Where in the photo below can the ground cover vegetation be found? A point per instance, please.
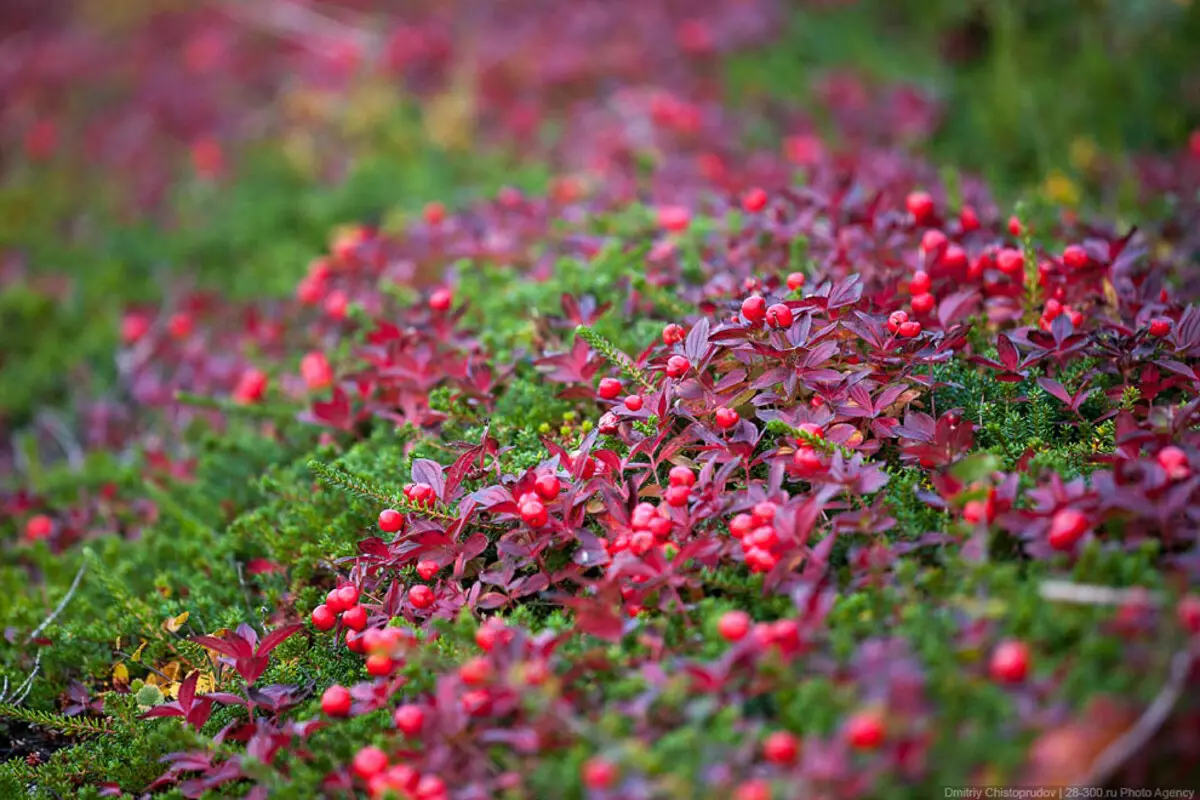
(710, 399)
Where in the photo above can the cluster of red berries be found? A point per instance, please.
(900, 325)
(651, 525)
(371, 765)
(532, 505)
(756, 531)
(756, 310)
(807, 461)
(342, 603)
(1054, 309)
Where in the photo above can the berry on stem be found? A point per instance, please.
(1067, 527)
(391, 520)
(610, 388)
(734, 625)
(1010, 662)
(421, 596)
(336, 700)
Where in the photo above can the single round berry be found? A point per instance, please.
(427, 569)
(955, 258)
(38, 527)
(726, 418)
(369, 762)
(672, 334)
(315, 370)
(923, 303)
(1010, 662)
(634, 402)
(754, 308)
(681, 476)
(380, 665)
(1174, 462)
(933, 241)
(968, 219)
(547, 487)
(678, 366)
(674, 218)
(920, 205)
(1014, 225)
(1010, 261)
(763, 537)
(763, 513)
(1052, 310)
(753, 789)
(1067, 527)
(779, 316)
(336, 700)
(734, 625)
(337, 304)
(864, 730)
(534, 514)
(976, 511)
(781, 747)
(434, 213)
(920, 282)
(391, 520)
(754, 200)
(910, 330)
(348, 595)
(421, 596)
(599, 773)
(134, 326)
(1160, 327)
(441, 300)
(431, 787)
(322, 618)
(251, 386)
(475, 671)
(355, 618)
(487, 635)
(409, 719)
(1074, 257)
(796, 280)
(1189, 613)
(807, 460)
(610, 388)
(677, 496)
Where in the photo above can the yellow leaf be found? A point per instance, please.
(206, 683)
(137, 654)
(173, 624)
(120, 674)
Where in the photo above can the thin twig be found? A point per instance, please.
(1124, 748)
(61, 603)
(1095, 594)
(23, 690)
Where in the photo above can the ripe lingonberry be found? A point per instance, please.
(763, 512)
(955, 258)
(487, 634)
(681, 476)
(932, 242)
(968, 219)
(1160, 327)
(634, 402)
(380, 665)
(864, 730)
(674, 218)
(336, 304)
(678, 366)
(726, 418)
(547, 486)
(977, 511)
(641, 542)
(38, 526)
(754, 308)
(1010, 661)
(763, 537)
(1174, 462)
(534, 514)
(795, 280)
(920, 282)
(409, 719)
(1189, 613)
(1010, 261)
(336, 701)
(610, 388)
(390, 520)
(895, 320)
(1014, 225)
(369, 762)
(733, 625)
(660, 527)
(431, 787)
(322, 618)
(441, 300)
(355, 618)
(180, 325)
(1052, 310)
(910, 329)
(807, 460)
(421, 596)
(356, 642)
(753, 789)
(781, 747)
(251, 386)
(920, 205)
(434, 213)
(1067, 526)
(598, 773)
(923, 303)
(741, 525)
(779, 316)
(475, 671)
(1074, 257)
(315, 370)
(677, 496)
(754, 200)
(672, 334)
(134, 326)
(427, 569)
(348, 595)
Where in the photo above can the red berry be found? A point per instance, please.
(734, 625)
(754, 308)
(681, 476)
(322, 618)
(356, 642)
(1067, 527)
(634, 402)
(753, 789)
(678, 366)
(441, 300)
(920, 282)
(409, 719)
(380, 665)
(864, 730)
(660, 527)
(932, 241)
(335, 702)
(1075, 257)
(348, 595)
(391, 520)
(599, 773)
(547, 486)
(763, 513)
(807, 461)
(39, 526)
(910, 329)
(672, 334)
(779, 316)
(781, 748)
(1076, 317)
(251, 386)
(434, 213)
(355, 618)
(976, 511)
(727, 418)
(333, 601)
(1189, 613)
(796, 280)
(1014, 225)
(315, 370)
(427, 569)
(134, 326)
(741, 525)
(369, 762)
(1160, 327)
(1052, 310)
(968, 219)
(763, 537)
(1010, 261)
(677, 496)
(1175, 462)
(754, 200)
(1010, 661)
(486, 636)
(674, 218)
(895, 320)
(336, 304)
(180, 325)
(421, 596)
(923, 303)
(955, 258)
(610, 388)
(475, 671)
(534, 514)
(431, 787)
(920, 205)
